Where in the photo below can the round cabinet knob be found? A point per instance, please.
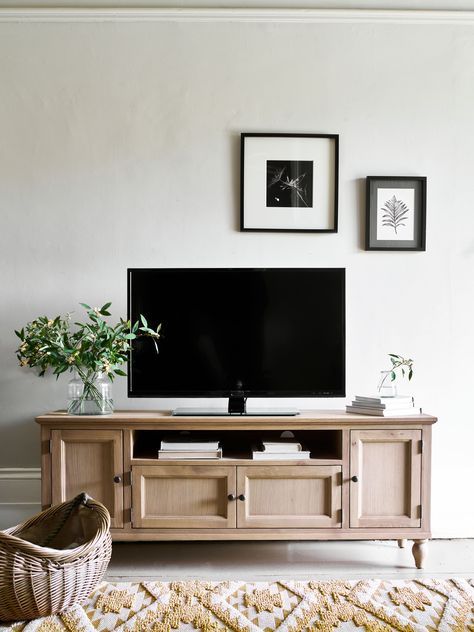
(117, 479)
(354, 479)
(231, 497)
(242, 497)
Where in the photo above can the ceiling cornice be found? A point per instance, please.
(318, 16)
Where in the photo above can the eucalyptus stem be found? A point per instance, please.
(397, 362)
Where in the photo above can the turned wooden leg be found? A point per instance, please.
(419, 551)
(402, 544)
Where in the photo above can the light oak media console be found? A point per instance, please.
(368, 477)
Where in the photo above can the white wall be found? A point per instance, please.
(120, 147)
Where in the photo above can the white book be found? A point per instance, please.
(187, 454)
(382, 412)
(281, 446)
(384, 406)
(176, 444)
(388, 402)
(281, 456)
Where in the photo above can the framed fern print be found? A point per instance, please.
(289, 182)
(396, 213)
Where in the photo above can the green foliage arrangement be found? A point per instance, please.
(91, 348)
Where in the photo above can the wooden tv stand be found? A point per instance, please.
(368, 477)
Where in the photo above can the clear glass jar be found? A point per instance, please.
(386, 387)
(89, 395)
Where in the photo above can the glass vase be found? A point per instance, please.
(386, 387)
(90, 394)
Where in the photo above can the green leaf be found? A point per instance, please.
(105, 307)
(144, 320)
(393, 375)
(130, 336)
(410, 374)
(120, 372)
(85, 305)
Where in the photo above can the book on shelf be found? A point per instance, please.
(170, 455)
(400, 401)
(190, 445)
(276, 447)
(383, 412)
(258, 455)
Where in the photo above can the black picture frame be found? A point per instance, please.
(395, 213)
(269, 204)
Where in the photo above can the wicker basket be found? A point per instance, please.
(53, 560)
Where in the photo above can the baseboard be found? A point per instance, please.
(453, 534)
(20, 494)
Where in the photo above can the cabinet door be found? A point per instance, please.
(88, 461)
(386, 478)
(289, 496)
(183, 496)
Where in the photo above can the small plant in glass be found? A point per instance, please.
(386, 387)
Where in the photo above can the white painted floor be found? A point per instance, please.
(267, 561)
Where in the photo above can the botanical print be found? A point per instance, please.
(290, 183)
(395, 214)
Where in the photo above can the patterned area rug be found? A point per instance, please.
(420, 605)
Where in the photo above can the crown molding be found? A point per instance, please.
(292, 16)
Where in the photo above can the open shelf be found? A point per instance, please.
(237, 445)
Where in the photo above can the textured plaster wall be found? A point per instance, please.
(120, 147)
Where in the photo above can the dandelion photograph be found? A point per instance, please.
(395, 213)
(290, 183)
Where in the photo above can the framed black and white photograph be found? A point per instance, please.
(396, 213)
(289, 182)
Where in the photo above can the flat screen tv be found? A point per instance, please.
(239, 333)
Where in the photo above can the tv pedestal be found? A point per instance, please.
(237, 406)
(338, 494)
(256, 412)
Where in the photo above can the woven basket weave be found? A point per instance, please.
(54, 559)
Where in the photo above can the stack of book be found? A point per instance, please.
(280, 451)
(399, 406)
(181, 449)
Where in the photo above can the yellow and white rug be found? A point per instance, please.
(420, 605)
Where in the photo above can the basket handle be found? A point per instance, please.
(80, 499)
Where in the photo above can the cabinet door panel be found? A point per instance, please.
(289, 496)
(387, 464)
(187, 496)
(88, 461)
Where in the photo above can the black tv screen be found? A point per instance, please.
(253, 332)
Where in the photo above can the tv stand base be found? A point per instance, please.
(221, 412)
